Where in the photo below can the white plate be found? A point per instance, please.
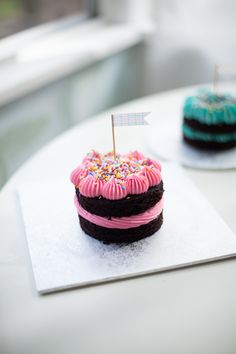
(63, 256)
(165, 141)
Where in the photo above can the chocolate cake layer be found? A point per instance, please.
(121, 235)
(210, 145)
(133, 204)
(210, 128)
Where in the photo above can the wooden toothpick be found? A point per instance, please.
(216, 79)
(113, 136)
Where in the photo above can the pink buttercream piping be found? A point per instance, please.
(156, 164)
(91, 186)
(153, 175)
(101, 175)
(137, 155)
(124, 222)
(137, 184)
(92, 155)
(114, 190)
(77, 175)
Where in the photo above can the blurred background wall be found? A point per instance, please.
(190, 37)
(158, 45)
(29, 122)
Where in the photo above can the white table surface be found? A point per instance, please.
(192, 310)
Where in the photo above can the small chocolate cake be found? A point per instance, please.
(118, 200)
(209, 121)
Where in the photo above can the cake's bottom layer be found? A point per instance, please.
(121, 235)
(209, 145)
(206, 137)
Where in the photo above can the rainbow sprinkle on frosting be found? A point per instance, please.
(105, 167)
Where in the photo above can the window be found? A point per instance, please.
(18, 15)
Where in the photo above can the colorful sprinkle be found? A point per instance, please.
(105, 167)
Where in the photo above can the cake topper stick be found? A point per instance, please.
(113, 136)
(216, 79)
(124, 119)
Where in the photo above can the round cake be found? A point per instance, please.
(118, 200)
(209, 121)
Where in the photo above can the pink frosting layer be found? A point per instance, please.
(102, 175)
(124, 222)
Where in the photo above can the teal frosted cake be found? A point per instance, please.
(209, 121)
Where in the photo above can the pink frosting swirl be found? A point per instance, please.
(137, 184)
(92, 155)
(154, 163)
(113, 190)
(102, 175)
(153, 175)
(77, 175)
(137, 155)
(91, 186)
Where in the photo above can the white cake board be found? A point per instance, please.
(64, 257)
(165, 141)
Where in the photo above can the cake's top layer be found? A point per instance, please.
(102, 175)
(210, 108)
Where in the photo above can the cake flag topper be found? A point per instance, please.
(228, 69)
(126, 119)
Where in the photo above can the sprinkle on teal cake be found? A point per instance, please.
(209, 108)
(210, 121)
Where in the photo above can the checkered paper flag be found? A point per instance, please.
(122, 119)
